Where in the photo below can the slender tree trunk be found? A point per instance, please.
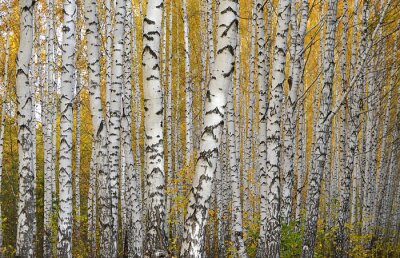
(248, 148)
(27, 178)
(133, 195)
(92, 207)
(99, 162)
(48, 131)
(108, 52)
(155, 238)
(78, 153)
(314, 182)
(274, 131)
(199, 197)
(188, 86)
(352, 98)
(114, 125)
(291, 102)
(390, 163)
(262, 138)
(68, 80)
(237, 228)
(342, 241)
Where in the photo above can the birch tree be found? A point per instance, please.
(237, 227)
(274, 131)
(48, 129)
(132, 193)
(27, 177)
(188, 85)
(115, 116)
(155, 238)
(314, 183)
(200, 193)
(99, 160)
(348, 163)
(68, 80)
(248, 147)
(290, 122)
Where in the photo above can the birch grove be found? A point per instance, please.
(188, 128)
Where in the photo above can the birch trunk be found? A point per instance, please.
(200, 193)
(92, 207)
(274, 131)
(237, 228)
(26, 203)
(115, 117)
(262, 137)
(188, 86)
(49, 131)
(100, 164)
(314, 183)
(248, 148)
(155, 238)
(78, 153)
(68, 81)
(291, 102)
(346, 165)
(389, 164)
(133, 196)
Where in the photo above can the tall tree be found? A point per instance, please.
(48, 116)
(297, 47)
(200, 193)
(188, 85)
(99, 163)
(237, 227)
(114, 123)
(27, 177)
(274, 131)
(68, 80)
(323, 135)
(155, 237)
(133, 232)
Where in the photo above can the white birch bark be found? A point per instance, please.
(155, 238)
(274, 131)
(222, 182)
(383, 171)
(108, 53)
(49, 130)
(200, 193)
(389, 164)
(132, 193)
(314, 182)
(369, 176)
(248, 148)
(352, 97)
(114, 123)
(99, 162)
(26, 203)
(237, 228)
(92, 207)
(262, 138)
(78, 152)
(188, 86)
(68, 80)
(346, 170)
(291, 102)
